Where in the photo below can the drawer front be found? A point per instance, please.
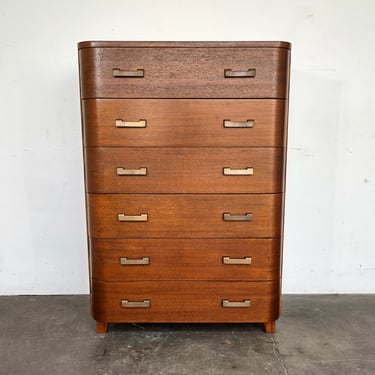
(185, 301)
(184, 215)
(179, 123)
(183, 72)
(185, 259)
(184, 170)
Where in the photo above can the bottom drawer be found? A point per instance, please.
(185, 301)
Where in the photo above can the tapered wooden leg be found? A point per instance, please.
(101, 327)
(270, 327)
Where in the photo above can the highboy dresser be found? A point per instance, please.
(184, 149)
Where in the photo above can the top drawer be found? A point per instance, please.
(165, 72)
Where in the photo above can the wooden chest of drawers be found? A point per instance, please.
(184, 148)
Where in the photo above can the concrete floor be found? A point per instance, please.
(329, 334)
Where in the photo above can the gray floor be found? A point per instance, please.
(316, 335)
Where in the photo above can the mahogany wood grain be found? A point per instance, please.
(183, 122)
(184, 44)
(186, 301)
(184, 170)
(183, 72)
(184, 98)
(184, 215)
(185, 259)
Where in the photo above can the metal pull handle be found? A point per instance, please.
(125, 261)
(130, 124)
(249, 73)
(227, 303)
(128, 73)
(238, 172)
(238, 124)
(229, 260)
(229, 217)
(135, 304)
(124, 217)
(131, 172)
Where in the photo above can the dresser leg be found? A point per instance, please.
(101, 327)
(270, 327)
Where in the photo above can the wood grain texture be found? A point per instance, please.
(183, 72)
(183, 122)
(184, 44)
(184, 98)
(184, 170)
(186, 301)
(185, 259)
(184, 215)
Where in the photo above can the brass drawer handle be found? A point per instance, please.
(238, 172)
(124, 217)
(229, 260)
(249, 73)
(128, 73)
(238, 124)
(125, 261)
(135, 304)
(227, 303)
(229, 217)
(130, 124)
(131, 172)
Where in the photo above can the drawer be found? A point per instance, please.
(184, 170)
(183, 122)
(185, 259)
(184, 72)
(184, 215)
(185, 301)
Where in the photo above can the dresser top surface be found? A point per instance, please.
(183, 44)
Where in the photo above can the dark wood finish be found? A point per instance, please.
(184, 44)
(186, 301)
(184, 170)
(101, 327)
(183, 72)
(185, 259)
(183, 122)
(184, 215)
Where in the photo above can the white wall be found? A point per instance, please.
(330, 212)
